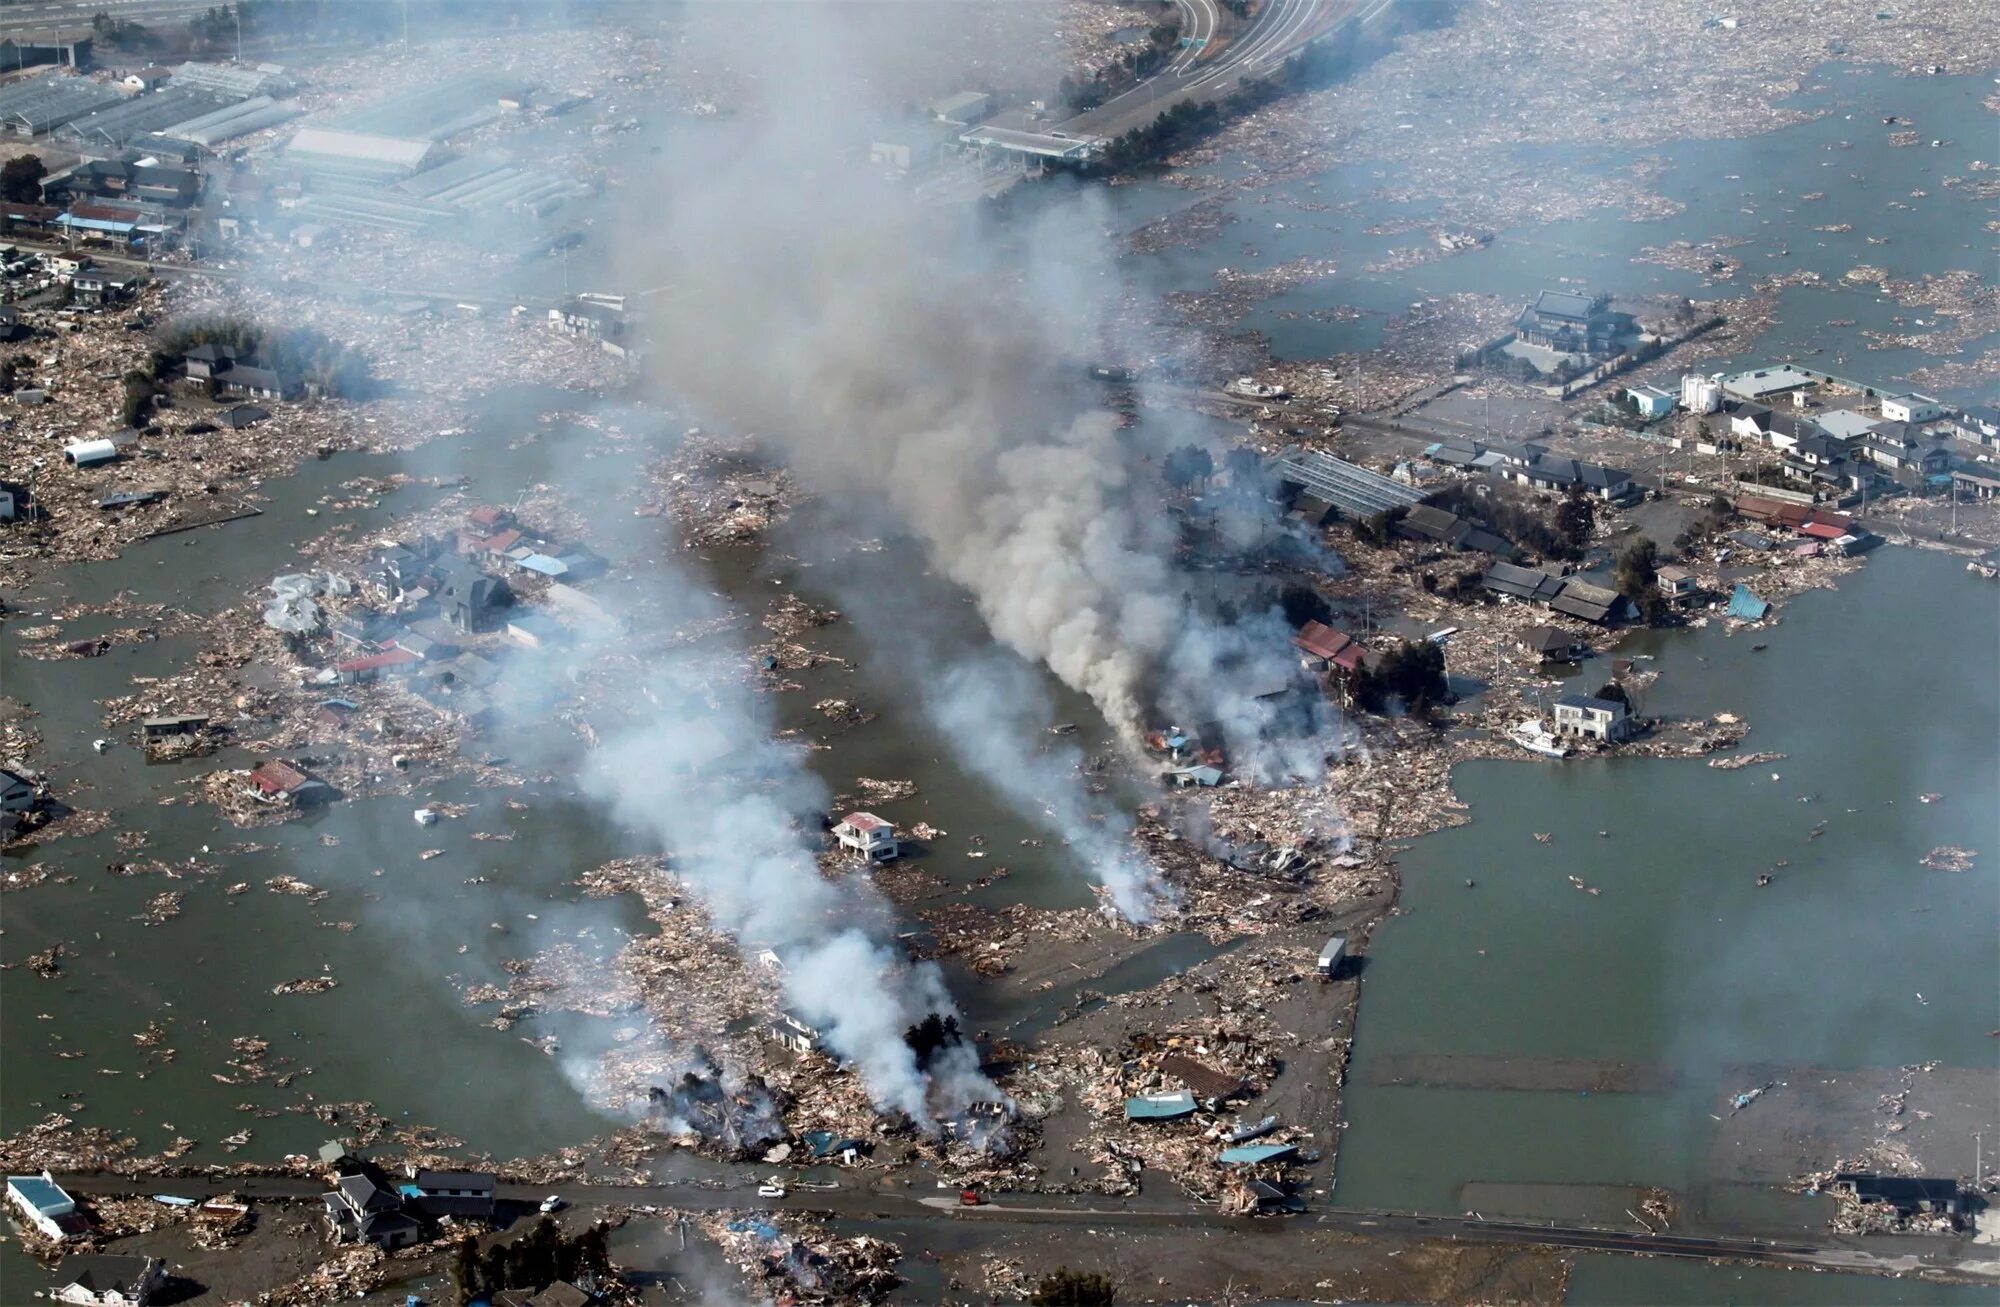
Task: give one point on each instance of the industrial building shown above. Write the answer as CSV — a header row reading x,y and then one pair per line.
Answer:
x,y
67,47
1353,490
400,135
45,103
121,124
231,121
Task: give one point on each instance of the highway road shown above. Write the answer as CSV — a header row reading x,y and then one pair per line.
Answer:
x,y
873,1195
1277,32
35,15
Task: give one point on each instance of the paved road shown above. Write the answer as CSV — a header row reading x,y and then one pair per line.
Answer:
x,y
1280,28
34,15
877,1196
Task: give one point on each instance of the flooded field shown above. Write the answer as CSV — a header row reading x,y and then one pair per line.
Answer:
x,y
1683,961
402,935
1758,199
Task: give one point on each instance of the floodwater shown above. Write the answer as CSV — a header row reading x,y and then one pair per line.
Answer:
x,y
1856,956
1600,1280
394,1031
1747,190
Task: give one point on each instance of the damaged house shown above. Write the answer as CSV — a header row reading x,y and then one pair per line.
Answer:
x,y
280,782
359,1210
790,1032
468,598
869,836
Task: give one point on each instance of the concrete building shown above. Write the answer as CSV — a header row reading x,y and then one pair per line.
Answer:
x,y
1677,584
1762,383
42,1203
966,109
1592,718
1912,408
109,1281
1651,401
868,835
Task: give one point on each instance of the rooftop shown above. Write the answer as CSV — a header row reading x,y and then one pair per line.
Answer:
x,y
1591,703
44,1195
1767,381
1352,489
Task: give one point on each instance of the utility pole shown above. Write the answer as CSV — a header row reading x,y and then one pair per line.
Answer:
x,y
237,9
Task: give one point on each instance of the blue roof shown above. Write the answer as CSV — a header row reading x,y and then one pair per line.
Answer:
x,y
44,1196
544,564
98,224
1746,605
1160,1107
1250,1154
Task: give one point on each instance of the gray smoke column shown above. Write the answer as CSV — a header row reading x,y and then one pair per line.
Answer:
x,y
702,776
990,707
919,362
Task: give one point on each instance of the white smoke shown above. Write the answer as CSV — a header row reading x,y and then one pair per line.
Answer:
x,y
989,708
732,808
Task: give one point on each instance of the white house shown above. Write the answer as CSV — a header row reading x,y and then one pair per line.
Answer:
x,y
44,1204
1598,719
1651,401
1912,408
868,835
110,1281
796,1034
1677,584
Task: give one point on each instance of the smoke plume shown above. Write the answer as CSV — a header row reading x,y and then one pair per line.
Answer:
x,y
732,808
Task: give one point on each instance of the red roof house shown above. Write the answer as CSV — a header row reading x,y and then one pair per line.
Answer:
x,y
1329,646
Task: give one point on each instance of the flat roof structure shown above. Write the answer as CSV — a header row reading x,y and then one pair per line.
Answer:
x,y
1767,381
1040,145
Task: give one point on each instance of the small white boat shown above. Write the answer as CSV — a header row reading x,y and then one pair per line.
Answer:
x,y
1536,738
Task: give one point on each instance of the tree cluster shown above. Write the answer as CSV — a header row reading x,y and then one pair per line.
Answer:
x,y
1413,672
534,1261
1516,517
21,179
1379,529
295,353
931,1037
1576,517
1638,578
122,33
1126,71
1302,604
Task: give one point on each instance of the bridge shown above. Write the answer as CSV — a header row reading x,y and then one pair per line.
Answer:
x,y
1210,64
